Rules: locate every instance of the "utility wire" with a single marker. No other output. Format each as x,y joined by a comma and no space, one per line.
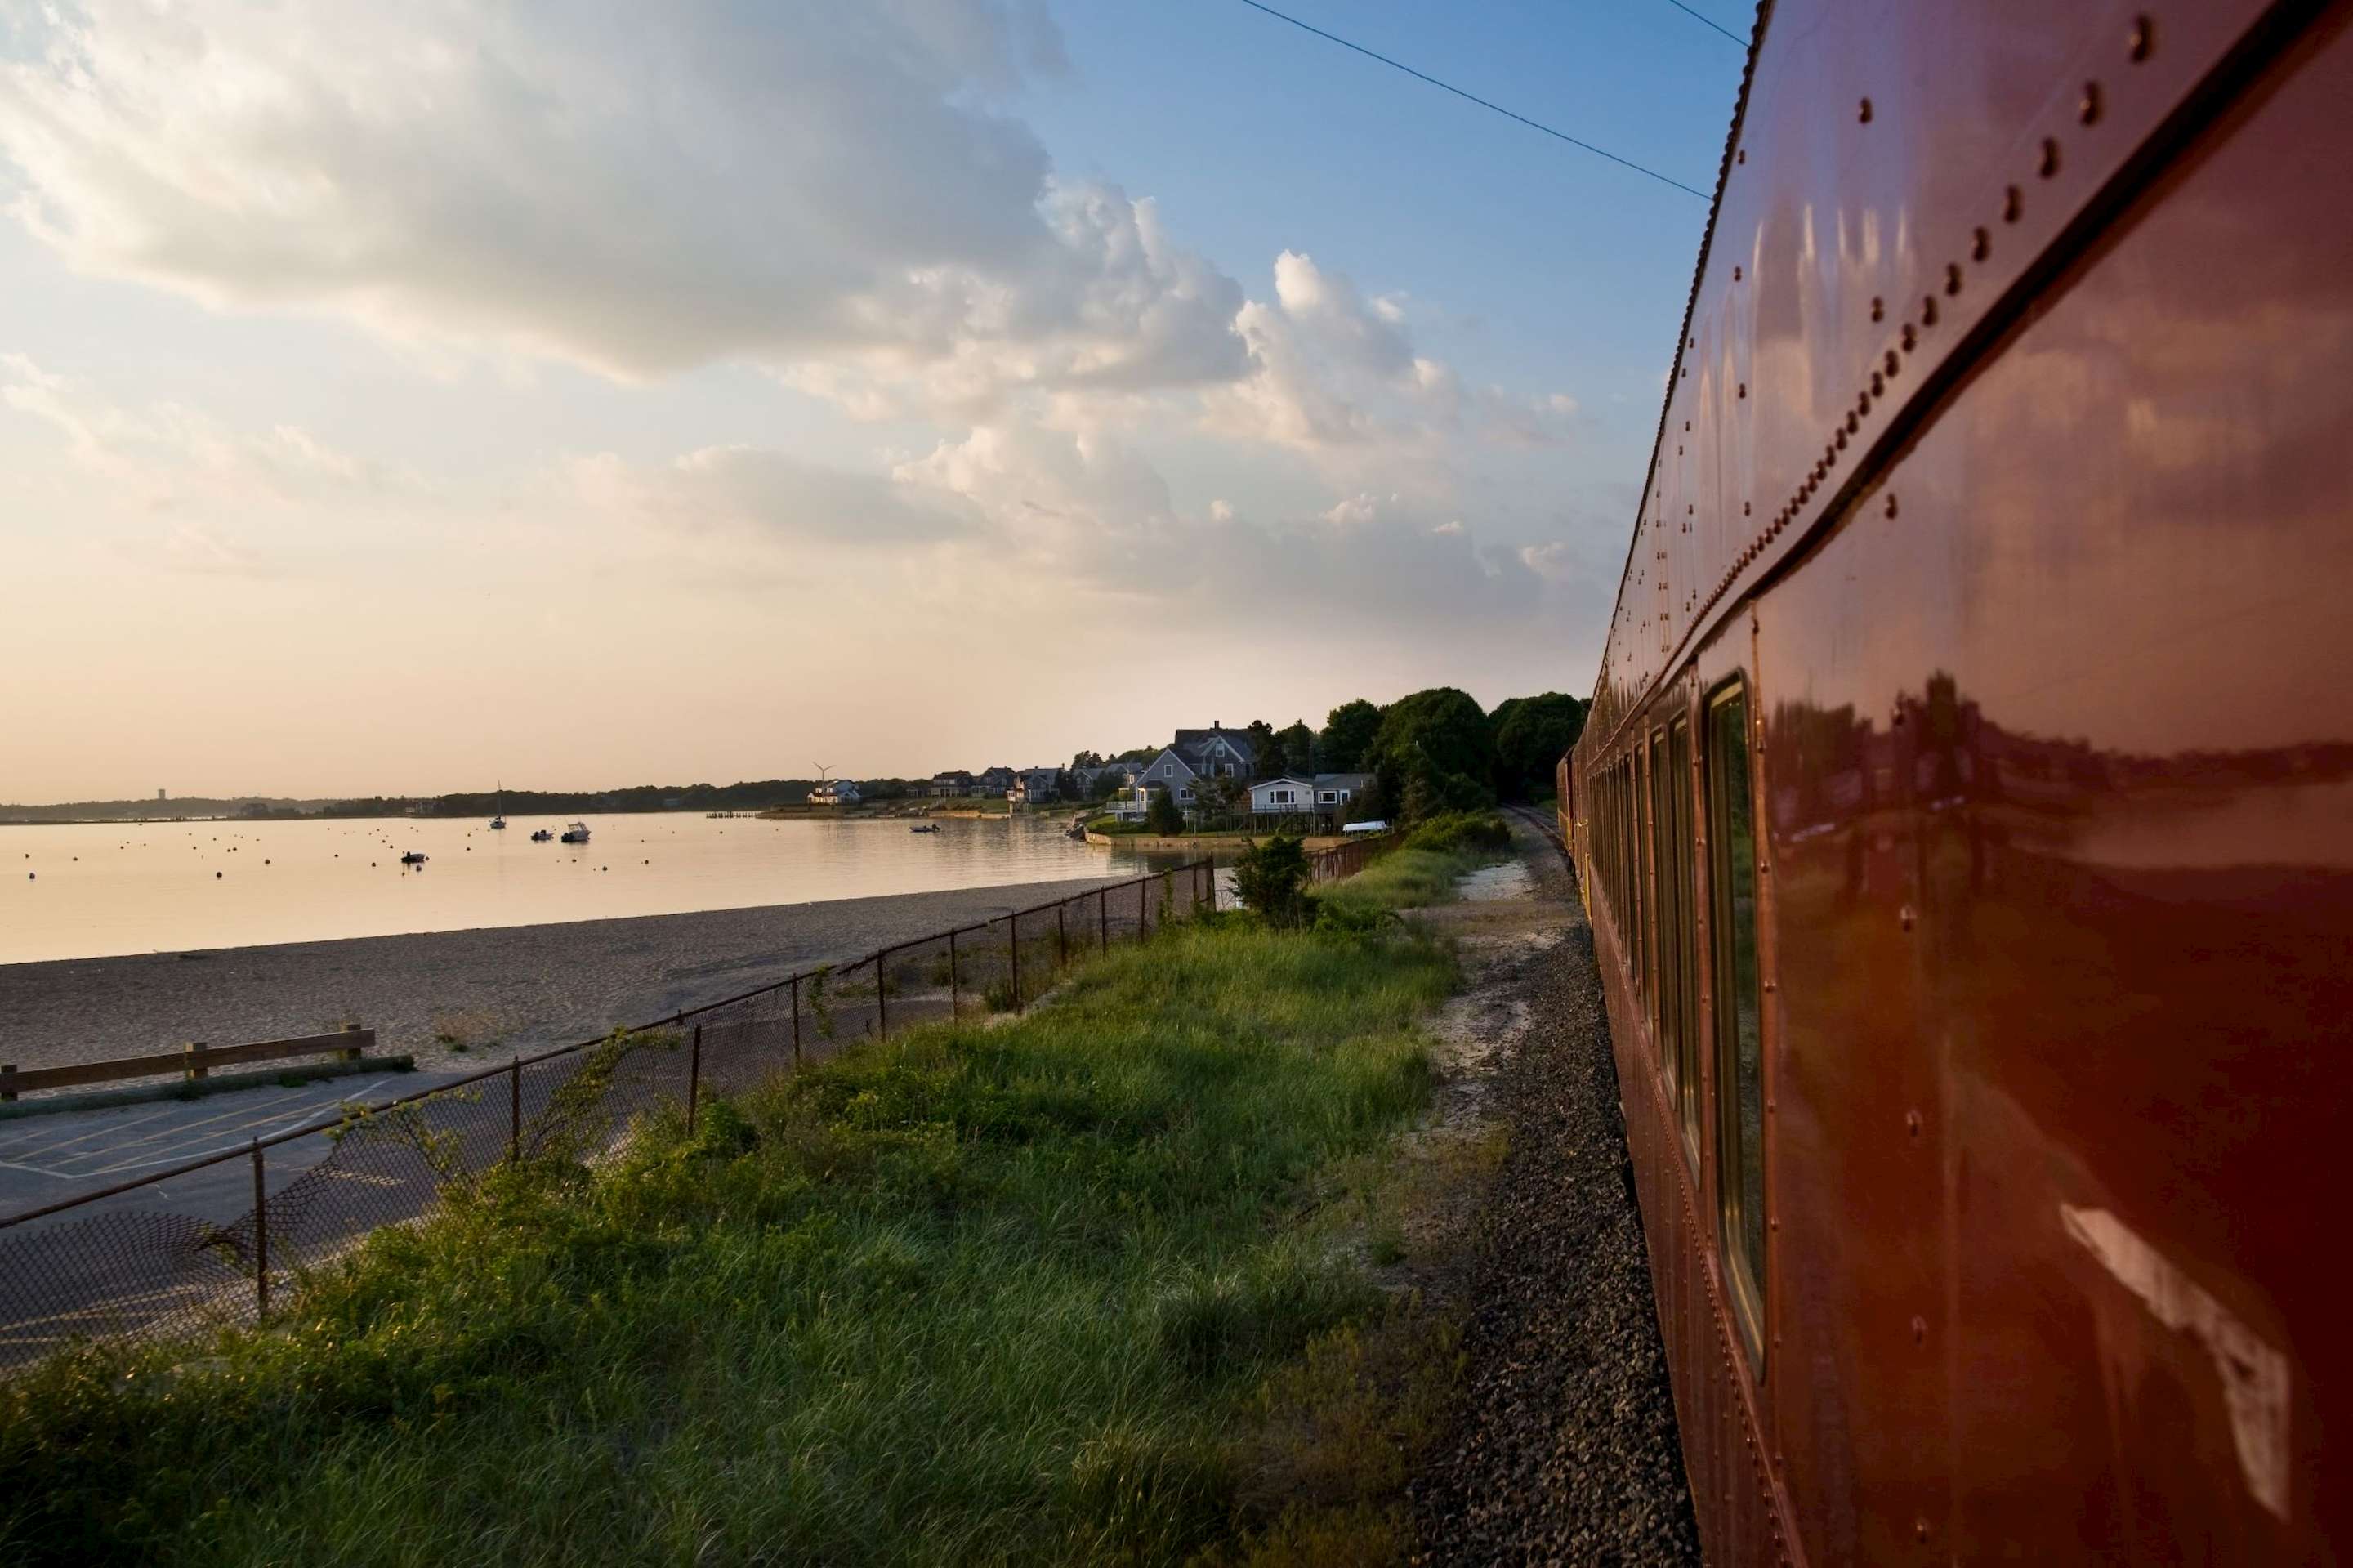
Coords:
1531,124
1711,21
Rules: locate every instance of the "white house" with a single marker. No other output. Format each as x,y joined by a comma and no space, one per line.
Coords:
1325,794
834,792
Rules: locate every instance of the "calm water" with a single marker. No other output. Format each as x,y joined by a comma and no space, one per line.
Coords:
100,888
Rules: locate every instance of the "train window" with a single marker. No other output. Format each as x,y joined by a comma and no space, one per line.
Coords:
1687,979
1664,1034
1646,893
1739,1043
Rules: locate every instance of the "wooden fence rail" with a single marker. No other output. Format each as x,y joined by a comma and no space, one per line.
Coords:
196,1060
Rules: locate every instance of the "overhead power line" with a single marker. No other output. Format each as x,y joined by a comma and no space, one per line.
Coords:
1711,21
1474,97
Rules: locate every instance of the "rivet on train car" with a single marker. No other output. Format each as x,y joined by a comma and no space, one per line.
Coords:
1919,1331
1891,503
1744,512
1903,916
2137,40
1893,365
1736,275
2087,108
1912,1123
1878,308
2013,202
1877,384
1841,435
1952,278
1980,246
1687,427
2049,165
1742,156
1928,310
1744,390
1920,1528
1911,339
1852,425
1863,113
1774,1223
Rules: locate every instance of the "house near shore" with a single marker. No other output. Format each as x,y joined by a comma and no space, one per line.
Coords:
1325,794
834,792
992,781
953,785
1193,756
1035,786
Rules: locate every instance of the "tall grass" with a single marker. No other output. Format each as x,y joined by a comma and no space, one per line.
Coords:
972,1295
1422,870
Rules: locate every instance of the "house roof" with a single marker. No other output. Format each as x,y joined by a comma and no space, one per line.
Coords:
1284,779
1190,743
1350,781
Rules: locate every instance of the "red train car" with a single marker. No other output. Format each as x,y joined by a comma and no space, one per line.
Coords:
1966,813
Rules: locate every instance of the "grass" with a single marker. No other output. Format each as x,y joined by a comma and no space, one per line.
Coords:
1050,1291
1422,871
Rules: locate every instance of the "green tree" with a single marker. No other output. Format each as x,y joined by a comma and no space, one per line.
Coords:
1298,744
1272,877
1531,732
1347,736
1086,760
1162,816
1433,753
1266,752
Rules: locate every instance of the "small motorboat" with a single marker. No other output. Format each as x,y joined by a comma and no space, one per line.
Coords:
499,822
413,857
924,828
542,836
577,833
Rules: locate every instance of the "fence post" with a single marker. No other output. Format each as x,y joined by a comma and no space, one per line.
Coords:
260,1239
882,996
1102,916
1143,907
694,1077
514,1109
7,1071
797,1021
195,1059
1061,935
956,1003
1013,924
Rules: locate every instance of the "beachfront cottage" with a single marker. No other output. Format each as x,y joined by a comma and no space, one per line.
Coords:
993,781
1195,755
1035,786
1324,795
834,792
952,785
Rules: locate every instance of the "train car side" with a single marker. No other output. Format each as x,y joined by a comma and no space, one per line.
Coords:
1964,811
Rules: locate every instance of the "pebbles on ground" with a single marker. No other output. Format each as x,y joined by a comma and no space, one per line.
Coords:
1563,1446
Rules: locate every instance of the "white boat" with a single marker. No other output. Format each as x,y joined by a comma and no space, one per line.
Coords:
577,833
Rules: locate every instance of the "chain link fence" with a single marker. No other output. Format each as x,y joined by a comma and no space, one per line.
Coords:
182,1251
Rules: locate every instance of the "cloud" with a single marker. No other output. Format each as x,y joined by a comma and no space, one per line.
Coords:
772,494
167,455
637,189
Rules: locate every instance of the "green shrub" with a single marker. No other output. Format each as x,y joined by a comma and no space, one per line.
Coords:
1461,832
1272,877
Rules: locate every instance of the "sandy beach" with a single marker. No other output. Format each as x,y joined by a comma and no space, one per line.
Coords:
521,986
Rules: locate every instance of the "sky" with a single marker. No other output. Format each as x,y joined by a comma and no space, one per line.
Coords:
409,398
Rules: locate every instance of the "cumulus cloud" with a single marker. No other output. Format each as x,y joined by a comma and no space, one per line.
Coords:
636,188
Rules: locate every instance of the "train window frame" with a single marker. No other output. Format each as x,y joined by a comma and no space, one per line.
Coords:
1689,933
1741,1215
1666,1036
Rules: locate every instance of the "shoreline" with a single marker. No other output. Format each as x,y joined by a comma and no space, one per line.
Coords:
499,988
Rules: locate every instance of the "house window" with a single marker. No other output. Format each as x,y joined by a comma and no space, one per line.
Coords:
1330,797
1184,794
1279,797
